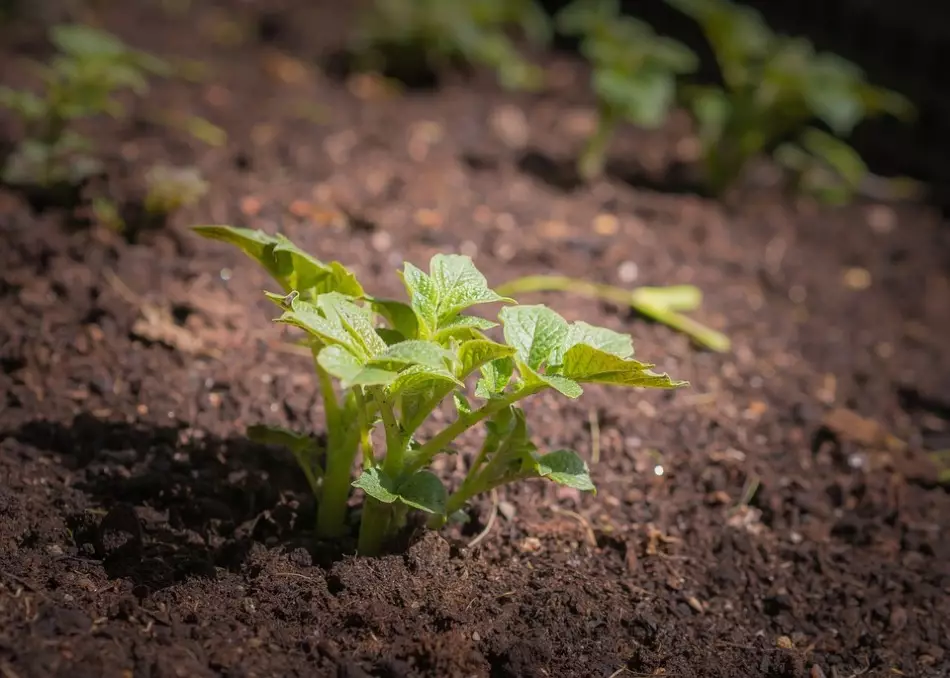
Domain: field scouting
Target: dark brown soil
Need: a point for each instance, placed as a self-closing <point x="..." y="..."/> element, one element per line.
<point x="757" y="524"/>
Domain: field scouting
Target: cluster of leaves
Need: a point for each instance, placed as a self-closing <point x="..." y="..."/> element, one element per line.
<point x="634" y="71"/>
<point x="406" y="35"/>
<point x="773" y="88"/>
<point x="394" y="364"/>
<point x="82" y="80"/>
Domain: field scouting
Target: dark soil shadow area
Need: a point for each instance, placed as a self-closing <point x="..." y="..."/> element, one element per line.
<point x="173" y="507"/>
<point x="560" y="173"/>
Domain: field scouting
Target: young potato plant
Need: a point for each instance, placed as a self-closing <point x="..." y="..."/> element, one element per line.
<point x="434" y="34"/>
<point x="80" y="81"/>
<point x="391" y="364"/>
<point x="634" y="72"/>
<point x="773" y="88"/>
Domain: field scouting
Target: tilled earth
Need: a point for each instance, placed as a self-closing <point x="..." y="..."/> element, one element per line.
<point x="781" y="517"/>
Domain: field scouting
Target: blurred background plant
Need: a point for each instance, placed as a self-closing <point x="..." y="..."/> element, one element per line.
<point x="634" y="72"/>
<point x="82" y="80"/>
<point x="773" y="88"/>
<point x="408" y="38"/>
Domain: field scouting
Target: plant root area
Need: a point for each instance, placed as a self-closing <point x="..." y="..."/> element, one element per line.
<point x="787" y="515"/>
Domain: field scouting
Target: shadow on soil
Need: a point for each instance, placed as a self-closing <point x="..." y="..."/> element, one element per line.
<point x="561" y="174"/>
<point x="175" y="507"/>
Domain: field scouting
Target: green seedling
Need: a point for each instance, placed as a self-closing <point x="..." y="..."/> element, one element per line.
<point x="665" y="305"/>
<point x="81" y="81"/>
<point x="634" y="72"/>
<point x="435" y="35"/>
<point x="392" y="364"/>
<point x="773" y="88"/>
<point x="168" y="189"/>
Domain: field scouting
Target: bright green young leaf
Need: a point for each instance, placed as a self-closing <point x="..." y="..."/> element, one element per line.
<point x="424" y="491"/>
<point x="423" y="296"/>
<point x="463" y="327"/>
<point x="307" y="316"/>
<point x="346" y="367"/>
<point x="414" y="352"/>
<point x="459" y="285"/>
<point x="587" y="364"/>
<point x="606" y="340"/>
<point x="495" y="377"/>
<point x="474" y="354"/>
<point x="564" y="467"/>
<point x="462" y="406"/>
<point x="535" y="332"/>
<point x="563" y="385"/>
<point x="356" y="320"/>
<point x="420" y="379"/>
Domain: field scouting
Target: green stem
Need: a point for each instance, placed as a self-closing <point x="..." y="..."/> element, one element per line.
<point x="374" y="527"/>
<point x="590" y="165"/>
<point x="427" y="452"/>
<point x="362" y="423"/>
<point x="331" y="512"/>
<point x="395" y="443"/>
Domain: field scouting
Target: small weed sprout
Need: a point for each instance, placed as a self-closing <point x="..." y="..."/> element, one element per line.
<point x="79" y="82"/>
<point x="634" y="72"/>
<point x="435" y="34"/>
<point x="773" y="88"/>
<point x="168" y="189"/>
<point x="391" y="364"/>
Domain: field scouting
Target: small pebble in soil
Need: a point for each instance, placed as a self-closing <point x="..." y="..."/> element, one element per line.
<point x="628" y="272"/>
<point x="857" y="278"/>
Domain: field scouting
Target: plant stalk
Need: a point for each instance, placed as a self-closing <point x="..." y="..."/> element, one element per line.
<point x="374" y="527"/>
<point x="591" y="163"/>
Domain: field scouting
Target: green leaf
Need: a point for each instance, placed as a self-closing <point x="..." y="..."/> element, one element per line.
<point x="587" y="364"/>
<point x="414" y="352"/>
<point x="25" y="104"/>
<point x="462" y="406"/>
<point x="346" y="367"/>
<point x="419" y="379"/>
<point x="535" y="332"/>
<point x="290" y="266"/>
<point x="356" y="320"/>
<point x="452" y="285"/>
<point x="476" y="353"/>
<point x="282" y="437"/>
<point x="400" y="316"/>
<point x="605" y="339"/>
<point x="307" y="316"/>
<point x="424" y="491"/>
<point x="838" y="155"/>
<point x="463" y="327"/>
<point x="643" y="98"/>
<point x="585" y="16"/>
<point x="563" y="385"/>
<point x="423" y="297"/>
<point x="564" y="467"/>
<point x="495" y="377"/>
<point x="377" y="485"/>
<point x="459" y="285"/>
